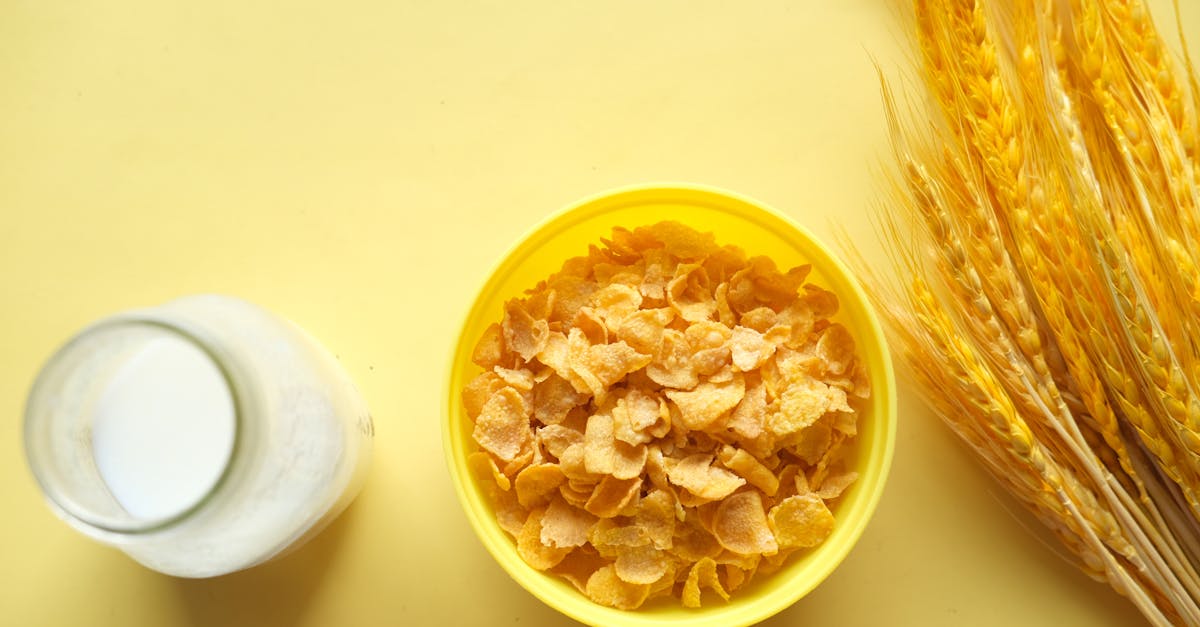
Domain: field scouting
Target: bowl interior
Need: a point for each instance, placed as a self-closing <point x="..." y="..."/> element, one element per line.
<point x="758" y="231"/>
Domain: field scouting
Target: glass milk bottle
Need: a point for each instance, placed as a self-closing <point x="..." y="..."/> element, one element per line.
<point x="200" y="437"/>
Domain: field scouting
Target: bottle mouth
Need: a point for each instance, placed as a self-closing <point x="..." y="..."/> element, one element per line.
<point x="132" y="426"/>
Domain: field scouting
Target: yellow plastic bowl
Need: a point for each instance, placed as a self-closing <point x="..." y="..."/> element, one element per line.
<point x="759" y="231"/>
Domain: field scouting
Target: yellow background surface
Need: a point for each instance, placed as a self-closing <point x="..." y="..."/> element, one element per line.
<point x="358" y="167"/>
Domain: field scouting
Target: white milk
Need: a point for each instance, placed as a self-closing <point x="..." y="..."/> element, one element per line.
<point x="163" y="429"/>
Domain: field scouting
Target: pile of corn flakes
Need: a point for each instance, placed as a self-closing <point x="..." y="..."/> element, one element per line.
<point x="665" y="416"/>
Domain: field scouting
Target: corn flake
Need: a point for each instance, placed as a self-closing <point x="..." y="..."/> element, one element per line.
<point x="628" y="460"/>
<point x="747" y="418"/>
<point x="554" y="398"/>
<point x="643" y="564"/>
<point x="608" y="536"/>
<point x="708" y="401"/>
<point x="740" y="525"/>
<point x="673" y="367"/>
<point x="531" y="548"/>
<point x="693" y="542"/>
<point x="836" y="349"/>
<point x="535" y="484"/>
<point x="574" y="465"/>
<point x="749" y="348"/>
<point x="606" y="588"/>
<point x="680" y="241"/>
<point x="520" y="379"/>
<point x="814" y="441"/>
<point x="503" y="425"/>
<point x="633" y="416"/>
<point x="489" y="352"/>
<point x="656" y="517"/>
<point x="602" y="365"/>
<point x="591" y="325"/>
<point x="689" y="293"/>
<point x="615" y="303"/>
<point x="484" y="467"/>
<point x="509" y="513"/>
<point x="696" y="474"/>
<point x="734" y="577"/>
<point x="803" y="403"/>
<point x="709" y="343"/>
<point x="702" y="575"/>
<point x="801" y="521"/>
<point x="725" y="313"/>
<point x="571" y="293"/>
<point x="659" y="272"/>
<point x="761" y="319"/>
<point x="834" y="485"/>
<point x="523" y="334"/>
<point x="576" y="495"/>
<point x="749" y="468"/>
<point x="643" y="329"/>
<point x="612" y="495"/>
<point x="564" y="525"/>
<point x="578" y="566"/>
<point x="556" y="438"/>
<point x="478" y="391"/>
<point x="599" y="444"/>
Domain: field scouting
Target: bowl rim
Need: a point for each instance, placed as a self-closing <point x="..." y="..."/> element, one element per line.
<point x="603" y="201"/>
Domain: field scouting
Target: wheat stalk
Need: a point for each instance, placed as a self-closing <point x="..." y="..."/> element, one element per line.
<point x="1056" y="190"/>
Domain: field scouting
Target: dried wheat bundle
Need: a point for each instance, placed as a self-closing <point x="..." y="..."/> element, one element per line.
<point x="1056" y="325"/>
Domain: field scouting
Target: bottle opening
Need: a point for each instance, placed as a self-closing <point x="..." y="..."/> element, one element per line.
<point x="130" y="426"/>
